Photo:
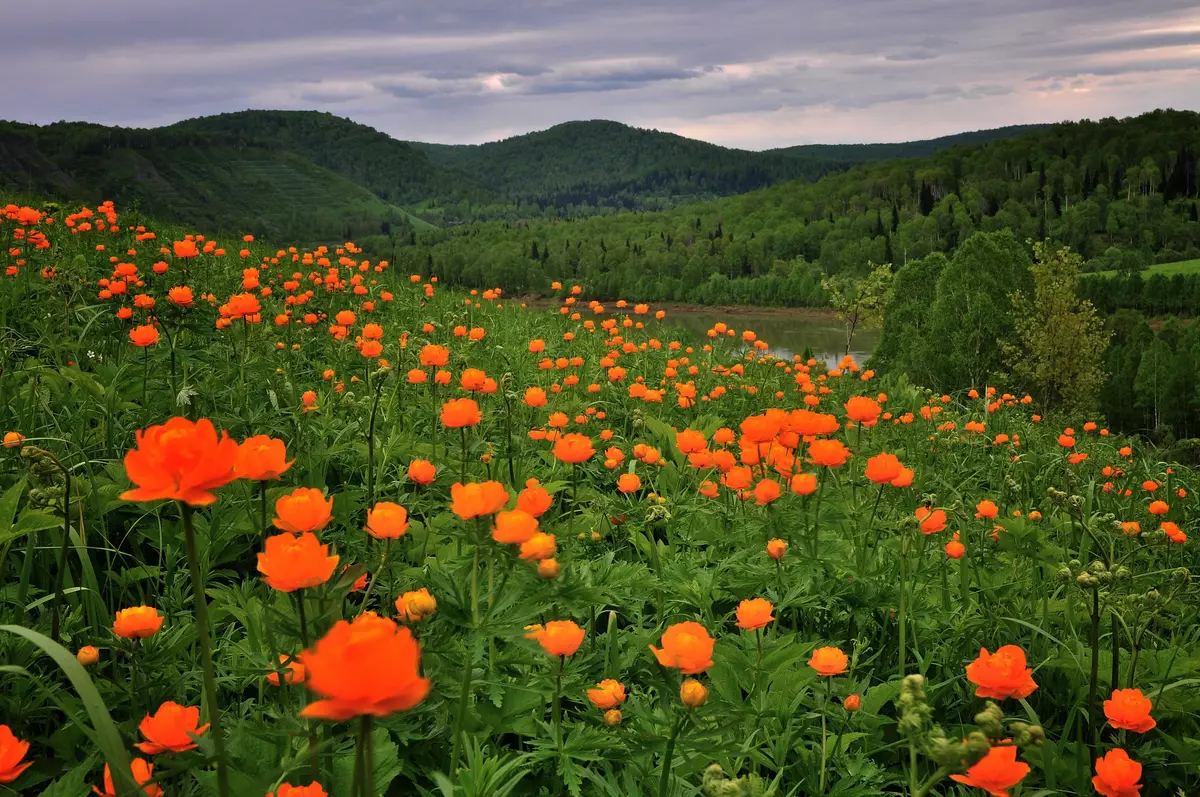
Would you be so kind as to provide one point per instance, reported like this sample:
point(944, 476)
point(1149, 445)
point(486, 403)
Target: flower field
point(287, 522)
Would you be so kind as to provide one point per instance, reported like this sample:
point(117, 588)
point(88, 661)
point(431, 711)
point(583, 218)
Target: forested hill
point(1114, 190)
point(866, 153)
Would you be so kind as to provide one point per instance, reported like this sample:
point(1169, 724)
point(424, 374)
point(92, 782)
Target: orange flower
point(932, 521)
point(305, 509)
point(1129, 710)
point(387, 521)
point(422, 471)
point(180, 460)
point(143, 336)
point(415, 606)
point(560, 637)
point(142, 772)
point(776, 549)
point(87, 655)
point(434, 356)
point(955, 549)
point(460, 413)
point(687, 647)
point(13, 439)
point(863, 409)
point(754, 613)
point(1117, 775)
point(829, 453)
point(852, 703)
point(804, 484)
point(986, 509)
point(539, 547)
point(996, 772)
point(1159, 508)
point(829, 661)
point(766, 491)
point(629, 483)
point(535, 397)
point(292, 674)
point(534, 499)
point(608, 694)
point(12, 750)
point(692, 693)
point(170, 729)
point(365, 667)
point(180, 296)
point(137, 622)
point(1001, 674)
point(690, 441)
point(260, 458)
point(293, 562)
point(476, 499)
point(884, 468)
point(288, 790)
point(574, 448)
point(514, 527)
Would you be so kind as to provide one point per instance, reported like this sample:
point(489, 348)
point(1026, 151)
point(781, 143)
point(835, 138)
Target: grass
point(1164, 269)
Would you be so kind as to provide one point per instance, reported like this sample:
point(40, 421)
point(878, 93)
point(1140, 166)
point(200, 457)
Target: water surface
point(786, 331)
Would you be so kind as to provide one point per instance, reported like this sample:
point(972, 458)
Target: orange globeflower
point(687, 647)
point(955, 549)
point(476, 499)
point(996, 772)
point(986, 509)
point(460, 413)
point(143, 336)
point(293, 672)
point(434, 356)
point(690, 441)
point(754, 613)
point(387, 521)
point(1159, 508)
point(1117, 775)
point(1001, 674)
point(574, 448)
point(180, 460)
point(1129, 710)
point(365, 667)
point(932, 521)
point(415, 606)
point(137, 622)
point(766, 491)
point(535, 397)
point(534, 499)
point(829, 453)
point(804, 484)
point(863, 409)
point(422, 471)
point(560, 637)
point(692, 693)
point(776, 549)
point(142, 771)
point(293, 562)
point(13, 439)
point(313, 789)
point(170, 729)
point(12, 750)
point(629, 483)
point(608, 694)
point(305, 509)
point(181, 296)
point(514, 527)
point(260, 458)
point(539, 547)
point(829, 661)
point(884, 468)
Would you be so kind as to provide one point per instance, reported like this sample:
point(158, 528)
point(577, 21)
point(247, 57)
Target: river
point(786, 331)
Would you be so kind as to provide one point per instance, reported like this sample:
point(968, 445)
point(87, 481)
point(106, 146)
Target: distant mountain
point(866, 153)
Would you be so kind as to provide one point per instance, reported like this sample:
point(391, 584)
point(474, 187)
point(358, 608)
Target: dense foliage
point(866, 153)
point(524, 552)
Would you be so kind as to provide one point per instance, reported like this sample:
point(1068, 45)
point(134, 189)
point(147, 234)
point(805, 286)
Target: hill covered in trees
point(1115, 191)
point(867, 153)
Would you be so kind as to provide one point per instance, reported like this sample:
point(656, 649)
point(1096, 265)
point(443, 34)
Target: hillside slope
point(867, 153)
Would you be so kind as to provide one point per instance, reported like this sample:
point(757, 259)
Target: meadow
point(296, 523)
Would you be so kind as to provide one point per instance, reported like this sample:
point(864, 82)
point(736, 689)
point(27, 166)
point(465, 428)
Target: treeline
point(1103, 188)
point(1152, 294)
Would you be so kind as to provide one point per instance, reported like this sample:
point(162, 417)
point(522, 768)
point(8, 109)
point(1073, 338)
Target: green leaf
point(72, 784)
point(108, 737)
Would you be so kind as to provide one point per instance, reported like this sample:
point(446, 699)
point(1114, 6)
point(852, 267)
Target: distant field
point(1166, 269)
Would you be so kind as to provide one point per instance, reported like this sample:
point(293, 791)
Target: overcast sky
point(747, 73)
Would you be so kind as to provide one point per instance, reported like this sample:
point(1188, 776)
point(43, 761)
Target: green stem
point(824, 737)
point(903, 605)
point(60, 579)
point(262, 507)
point(368, 756)
point(387, 550)
point(556, 706)
point(204, 642)
point(1095, 674)
point(664, 784)
point(312, 731)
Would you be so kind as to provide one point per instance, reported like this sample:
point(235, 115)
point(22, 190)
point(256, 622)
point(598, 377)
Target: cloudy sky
point(747, 73)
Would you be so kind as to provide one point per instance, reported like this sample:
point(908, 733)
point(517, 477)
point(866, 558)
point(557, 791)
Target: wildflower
point(776, 549)
point(539, 547)
point(690, 441)
point(852, 703)
point(612, 717)
point(560, 637)
point(534, 499)
point(687, 647)
point(1001, 674)
point(863, 410)
point(365, 667)
point(415, 606)
point(260, 458)
point(932, 521)
point(293, 562)
point(955, 549)
point(13, 439)
point(803, 484)
point(1129, 710)
point(574, 448)
point(170, 729)
point(692, 693)
point(476, 499)
point(387, 521)
point(143, 336)
point(288, 790)
point(305, 509)
point(548, 568)
point(829, 661)
point(293, 672)
point(460, 413)
point(180, 460)
point(137, 622)
point(754, 613)
point(986, 509)
point(422, 471)
point(1159, 508)
point(829, 453)
point(87, 655)
point(608, 694)
point(142, 772)
point(1117, 775)
point(535, 397)
point(996, 772)
point(434, 356)
point(629, 483)
point(884, 468)
point(514, 527)
point(180, 296)
point(12, 750)
point(766, 491)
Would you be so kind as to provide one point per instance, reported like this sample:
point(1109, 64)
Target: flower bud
point(88, 655)
point(548, 568)
point(612, 717)
point(693, 693)
point(852, 703)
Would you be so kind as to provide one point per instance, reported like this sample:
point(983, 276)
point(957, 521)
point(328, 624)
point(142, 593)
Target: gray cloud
point(751, 73)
